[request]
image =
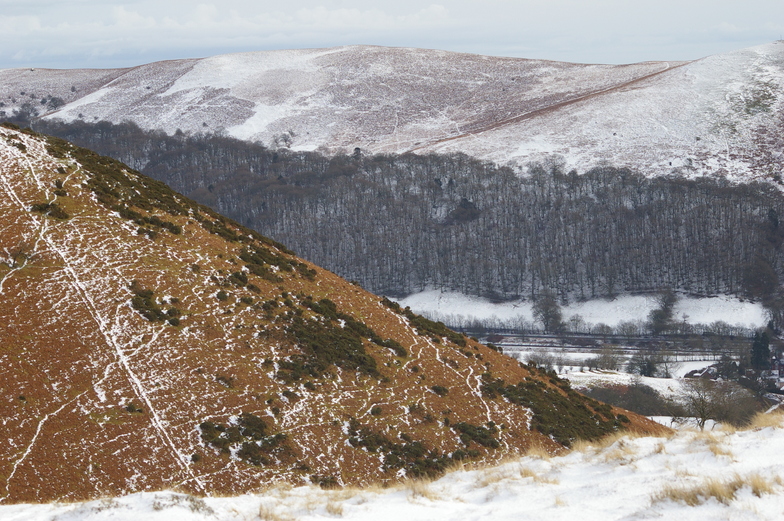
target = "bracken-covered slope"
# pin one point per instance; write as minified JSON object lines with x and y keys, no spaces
{"x":147,"y":342}
{"x":720,"y":114}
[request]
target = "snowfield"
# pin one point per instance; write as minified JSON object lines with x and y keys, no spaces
{"x":688,"y":476}
{"x":626,"y":308}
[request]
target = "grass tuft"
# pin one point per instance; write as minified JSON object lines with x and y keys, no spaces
{"x":268,"y":514}
{"x":420,"y":488}
{"x":723,"y":491}
{"x":538,"y":450}
{"x":763,"y":420}
{"x":334,"y":508}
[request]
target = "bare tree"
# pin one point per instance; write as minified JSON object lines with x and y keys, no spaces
{"x":668,"y":363}
{"x":610,"y":358}
{"x":701,"y":400}
{"x":705,"y":399}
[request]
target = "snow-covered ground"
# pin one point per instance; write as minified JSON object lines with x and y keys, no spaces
{"x":666,"y":387}
{"x":688,"y":476}
{"x":628,"y":308}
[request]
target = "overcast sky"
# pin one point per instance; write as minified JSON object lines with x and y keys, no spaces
{"x":106,"y":33}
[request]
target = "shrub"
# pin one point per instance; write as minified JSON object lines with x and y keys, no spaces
{"x":335,"y":339}
{"x":425,"y":327}
{"x":558,"y":411}
{"x":440,"y":390}
{"x":145,"y":304}
{"x":481,"y":435}
{"x":325,"y":482}
{"x":636,"y":397}
{"x":50,"y":210}
{"x":249,"y":437}
{"x":413,"y":457}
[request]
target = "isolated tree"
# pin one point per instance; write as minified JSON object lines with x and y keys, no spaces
{"x":610,"y":358}
{"x":660,"y":319}
{"x":704,"y":400}
{"x":701,"y":400}
{"x":576,"y":324}
{"x":727,"y":368}
{"x":668,"y":363}
{"x":548,"y":312}
{"x":644,"y":363}
{"x":760,"y":351}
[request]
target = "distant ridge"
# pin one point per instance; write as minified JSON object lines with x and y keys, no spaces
{"x":716,"y":115}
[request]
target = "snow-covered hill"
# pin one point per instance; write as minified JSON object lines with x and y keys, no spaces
{"x":689,"y":476}
{"x":714,"y":115}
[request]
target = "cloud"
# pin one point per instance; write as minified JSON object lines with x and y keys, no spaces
{"x":726,"y":27}
{"x":121,"y":33}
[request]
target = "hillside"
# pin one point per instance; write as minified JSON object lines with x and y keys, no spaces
{"x":690,"y":476}
{"x":146,"y":342}
{"x":720,"y":114}
{"x":498,"y":234}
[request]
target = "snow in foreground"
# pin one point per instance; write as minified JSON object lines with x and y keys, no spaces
{"x":692,"y":475}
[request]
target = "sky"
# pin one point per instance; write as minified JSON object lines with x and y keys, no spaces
{"x":107,"y":33}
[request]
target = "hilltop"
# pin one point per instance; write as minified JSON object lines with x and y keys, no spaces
{"x":716,"y":115}
{"x":147,"y":342}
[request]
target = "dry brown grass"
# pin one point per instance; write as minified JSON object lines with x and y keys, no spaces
{"x":420,"y":488}
{"x":267,"y":513}
{"x":724,"y":491}
{"x":683,"y":473}
{"x":334,"y":508}
{"x":493,"y":475}
{"x":525,"y":472}
{"x":621,"y":452}
{"x":583,"y":446}
{"x":621,"y":437}
{"x":538,"y":450}
{"x":763,"y":420}
{"x":714,"y":442}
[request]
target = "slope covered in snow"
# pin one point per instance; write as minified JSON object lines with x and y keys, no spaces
{"x":688,"y":476}
{"x":720,"y":114}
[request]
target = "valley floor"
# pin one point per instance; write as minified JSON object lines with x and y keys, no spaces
{"x":691,"y":475}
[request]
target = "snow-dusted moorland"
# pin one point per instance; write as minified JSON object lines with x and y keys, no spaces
{"x":708,"y":116}
{"x":690,"y":475}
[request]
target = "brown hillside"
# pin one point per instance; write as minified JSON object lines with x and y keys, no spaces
{"x":148,"y":343}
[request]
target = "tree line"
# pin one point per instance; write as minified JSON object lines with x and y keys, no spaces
{"x":399,"y":224}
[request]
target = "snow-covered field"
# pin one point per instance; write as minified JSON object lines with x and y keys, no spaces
{"x":688,"y":476}
{"x":628,"y":308}
{"x":666,"y":387}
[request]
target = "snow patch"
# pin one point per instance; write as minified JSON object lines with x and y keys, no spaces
{"x":627,"y":308}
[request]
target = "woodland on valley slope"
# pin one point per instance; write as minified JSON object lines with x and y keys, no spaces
{"x":401,"y":223}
